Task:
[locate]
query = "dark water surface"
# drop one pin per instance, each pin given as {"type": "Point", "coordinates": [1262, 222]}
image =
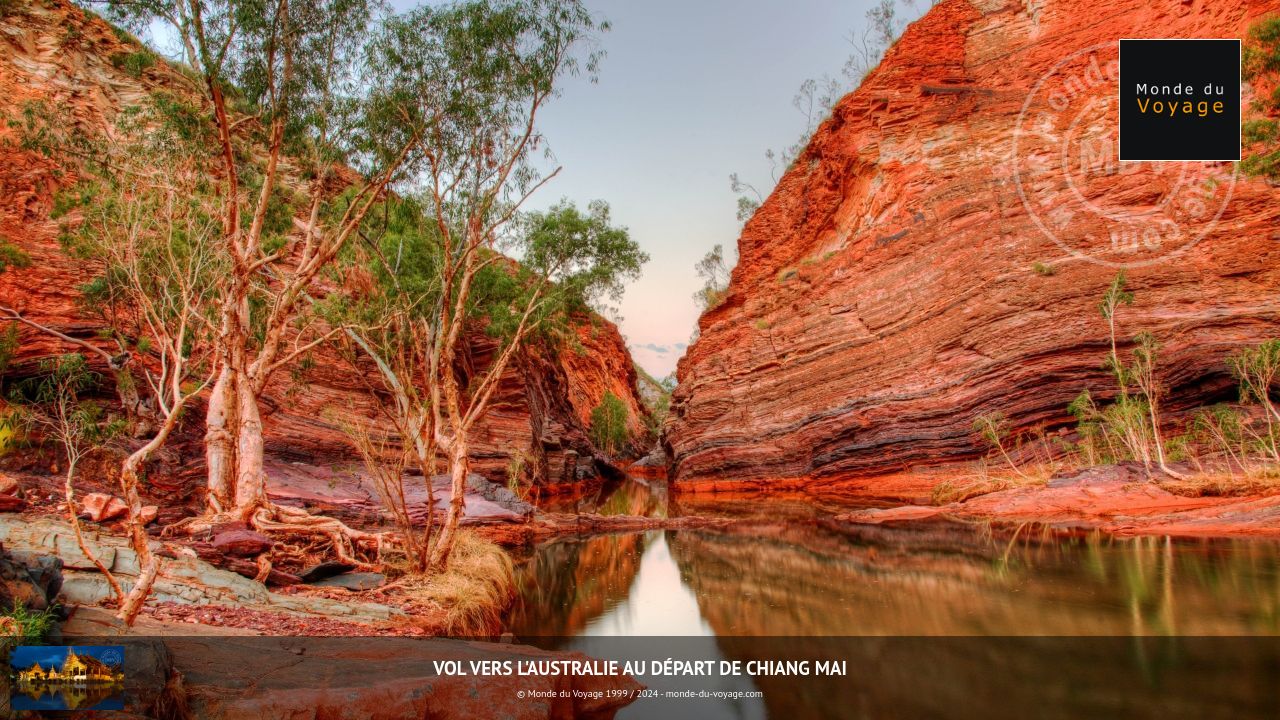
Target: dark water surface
{"type": "Point", "coordinates": [1021, 602]}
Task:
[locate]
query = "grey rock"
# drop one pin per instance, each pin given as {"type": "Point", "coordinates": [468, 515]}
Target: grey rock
{"type": "Point", "coordinates": [499, 495]}
{"type": "Point", "coordinates": [354, 581]}
{"type": "Point", "coordinates": [316, 573]}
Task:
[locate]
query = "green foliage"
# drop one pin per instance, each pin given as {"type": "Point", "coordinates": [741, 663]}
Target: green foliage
{"type": "Point", "coordinates": [1262, 57]}
{"type": "Point", "coordinates": [64, 374]}
{"type": "Point", "coordinates": [55, 399]}
{"type": "Point", "coordinates": [134, 63]}
{"type": "Point", "coordinates": [609, 424]}
{"type": "Point", "coordinates": [1257, 369]}
{"type": "Point", "coordinates": [1115, 296]}
{"type": "Point", "coordinates": [1221, 428]}
{"type": "Point", "coordinates": [12, 256]}
{"type": "Point", "coordinates": [1262, 49]}
{"type": "Point", "coordinates": [184, 122]}
{"type": "Point", "coordinates": [27, 625]}
{"type": "Point", "coordinates": [8, 346]}
{"type": "Point", "coordinates": [584, 255]}
{"type": "Point", "coordinates": [656, 395]}
{"type": "Point", "coordinates": [1044, 269]}
{"type": "Point", "coordinates": [714, 272]}
{"type": "Point", "coordinates": [993, 427]}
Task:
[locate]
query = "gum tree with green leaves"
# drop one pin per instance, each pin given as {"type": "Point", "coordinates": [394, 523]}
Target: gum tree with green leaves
{"type": "Point", "coordinates": [146, 228]}
{"type": "Point", "coordinates": [609, 423]}
{"type": "Point", "coordinates": [569, 259]}
{"type": "Point", "coordinates": [1132, 420]}
{"type": "Point", "coordinates": [280, 83]}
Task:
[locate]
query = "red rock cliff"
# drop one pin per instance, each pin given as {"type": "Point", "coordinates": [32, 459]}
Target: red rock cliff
{"type": "Point", "coordinates": [924, 261]}
{"type": "Point", "coordinates": [53, 52]}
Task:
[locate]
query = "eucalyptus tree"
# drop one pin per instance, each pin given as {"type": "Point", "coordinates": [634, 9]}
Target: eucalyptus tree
{"type": "Point", "coordinates": [477, 76]}
{"type": "Point", "coordinates": [283, 84]}
{"type": "Point", "coordinates": [442, 100]}
{"type": "Point", "coordinates": [152, 238]}
{"type": "Point", "coordinates": [569, 260]}
{"type": "Point", "coordinates": [144, 227]}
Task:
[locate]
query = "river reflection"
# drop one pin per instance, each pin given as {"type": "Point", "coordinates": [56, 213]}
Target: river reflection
{"type": "Point", "coordinates": [792, 576]}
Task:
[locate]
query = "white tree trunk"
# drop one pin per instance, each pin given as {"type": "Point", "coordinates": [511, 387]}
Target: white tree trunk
{"type": "Point", "coordinates": [251, 486]}
{"type": "Point", "coordinates": [220, 442]}
{"type": "Point", "coordinates": [459, 468]}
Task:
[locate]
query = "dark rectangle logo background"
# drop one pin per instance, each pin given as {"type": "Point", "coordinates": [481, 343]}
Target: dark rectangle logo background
{"type": "Point", "coordinates": [1182, 136]}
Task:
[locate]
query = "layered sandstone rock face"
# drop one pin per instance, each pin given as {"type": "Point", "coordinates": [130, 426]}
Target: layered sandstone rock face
{"type": "Point", "coordinates": [939, 250]}
{"type": "Point", "coordinates": [52, 52]}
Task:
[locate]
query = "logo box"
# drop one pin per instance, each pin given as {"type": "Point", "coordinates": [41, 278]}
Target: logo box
{"type": "Point", "coordinates": [1180, 100]}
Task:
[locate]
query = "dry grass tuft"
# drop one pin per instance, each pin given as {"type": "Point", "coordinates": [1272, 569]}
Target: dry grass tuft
{"type": "Point", "coordinates": [1259, 480]}
{"type": "Point", "coordinates": [984, 482]}
{"type": "Point", "coordinates": [472, 594]}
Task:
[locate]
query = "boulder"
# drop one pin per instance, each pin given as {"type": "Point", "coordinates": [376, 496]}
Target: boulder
{"type": "Point", "coordinates": [29, 579]}
{"type": "Point", "coordinates": [8, 485]}
{"type": "Point", "coordinates": [101, 507]}
{"type": "Point", "coordinates": [149, 514]}
{"type": "Point", "coordinates": [11, 503]}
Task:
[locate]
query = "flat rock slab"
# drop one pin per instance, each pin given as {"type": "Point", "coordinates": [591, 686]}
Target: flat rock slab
{"type": "Point", "coordinates": [313, 484]}
{"type": "Point", "coordinates": [183, 579]}
{"type": "Point", "coordinates": [354, 581]}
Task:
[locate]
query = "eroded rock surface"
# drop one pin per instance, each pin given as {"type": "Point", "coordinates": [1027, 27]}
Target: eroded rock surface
{"type": "Point", "coordinates": [895, 285]}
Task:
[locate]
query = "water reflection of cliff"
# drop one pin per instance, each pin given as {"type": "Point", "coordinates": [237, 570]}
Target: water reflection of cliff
{"type": "Point", "coordinates": [754, 591]}
{"type": "Point", "coordinates": [955, 581]}
{"type": "Point", "coordinates": [626, 496]}
{"type": "Point", "coordinates": [568, 583]}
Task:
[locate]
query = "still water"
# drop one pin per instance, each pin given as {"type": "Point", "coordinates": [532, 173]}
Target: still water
{"type": "Point", "coordinates": [789, 584]}
{"type": "Point", "coordinates": [786, 574]}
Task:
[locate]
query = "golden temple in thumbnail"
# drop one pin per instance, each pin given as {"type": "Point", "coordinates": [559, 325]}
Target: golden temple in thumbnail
{"type": "Point", "coordinates": [75, 669]}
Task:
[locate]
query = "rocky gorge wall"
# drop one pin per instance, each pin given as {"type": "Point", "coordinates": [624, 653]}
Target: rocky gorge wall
{"type": "Point", "coordinates": [939, 249]}
{"type": "Point", "coordinates": [54, 52]}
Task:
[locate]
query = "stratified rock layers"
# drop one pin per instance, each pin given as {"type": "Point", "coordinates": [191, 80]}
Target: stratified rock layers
{"type": "Point", "coordinates": [55, 54]}
{"type": "Point", "coordinates": [896, 284]}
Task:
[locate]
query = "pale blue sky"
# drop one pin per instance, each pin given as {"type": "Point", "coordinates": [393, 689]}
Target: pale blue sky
{"type": "Point", "coordinates": [688, 93]}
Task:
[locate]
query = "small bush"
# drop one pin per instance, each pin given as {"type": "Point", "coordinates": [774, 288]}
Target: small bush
{"type": "Point", "coordinates": [12, 256]}
{"type": "Point", "coordinates": [609, 424]}
{"type": "Point", "coordinates": [133, 64]}
{"type": "Point", "coordinates": [27, 625]}
{"type": "Point", "coordinates": [1044, 269]}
